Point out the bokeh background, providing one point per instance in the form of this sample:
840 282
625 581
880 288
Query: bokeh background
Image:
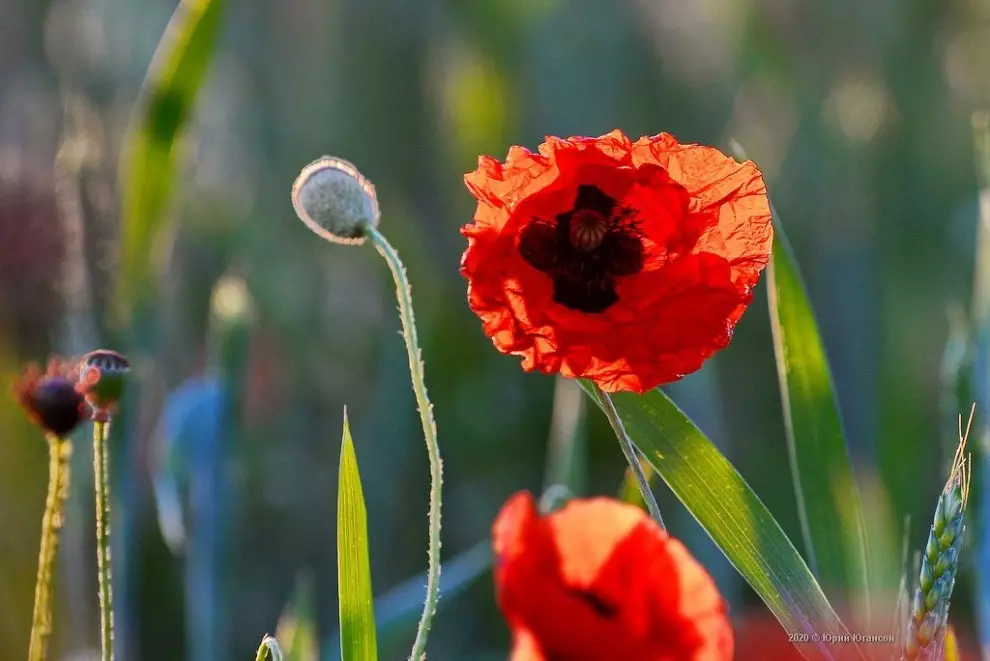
859 113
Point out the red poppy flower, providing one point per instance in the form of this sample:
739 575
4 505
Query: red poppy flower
627 263
597 581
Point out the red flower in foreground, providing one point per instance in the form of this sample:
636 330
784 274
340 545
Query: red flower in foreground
627 263
52 399
598 581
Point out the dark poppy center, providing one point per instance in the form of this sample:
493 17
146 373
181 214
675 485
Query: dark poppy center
585 249
598 604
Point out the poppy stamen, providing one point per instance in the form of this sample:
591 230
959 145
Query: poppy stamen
584 249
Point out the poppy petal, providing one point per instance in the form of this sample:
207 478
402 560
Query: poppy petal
599 580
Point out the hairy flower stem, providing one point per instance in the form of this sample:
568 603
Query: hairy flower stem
404 295
629 450
59 452
101 478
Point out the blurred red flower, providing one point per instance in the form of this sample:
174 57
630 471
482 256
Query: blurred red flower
625 263
597 581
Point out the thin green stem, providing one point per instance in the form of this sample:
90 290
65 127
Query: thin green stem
404 296
101 478
59 452
631 454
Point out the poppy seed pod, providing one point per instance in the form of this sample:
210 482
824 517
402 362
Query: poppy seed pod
335 200
51 398
101 377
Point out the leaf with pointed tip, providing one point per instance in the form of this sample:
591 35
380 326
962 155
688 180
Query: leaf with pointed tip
358 640
149 154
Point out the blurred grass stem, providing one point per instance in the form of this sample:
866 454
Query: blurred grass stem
629 450
404 296
269 644
101 479
59 453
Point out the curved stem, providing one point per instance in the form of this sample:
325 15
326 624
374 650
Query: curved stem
101 478
269 646
59 452
632 456
404 295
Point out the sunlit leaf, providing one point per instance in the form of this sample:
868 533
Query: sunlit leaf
358 640
148 158
827 496
730 512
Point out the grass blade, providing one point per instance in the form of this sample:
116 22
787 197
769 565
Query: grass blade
397 611
357 615
828 500
730 512
149 155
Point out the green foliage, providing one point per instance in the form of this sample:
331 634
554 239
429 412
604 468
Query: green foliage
729 511
148 161
827 496
357 615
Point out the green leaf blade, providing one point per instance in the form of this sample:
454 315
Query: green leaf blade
827 497
149 156
730 512
358 640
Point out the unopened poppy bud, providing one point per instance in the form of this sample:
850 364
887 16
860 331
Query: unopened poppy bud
335 200
51 399
101 376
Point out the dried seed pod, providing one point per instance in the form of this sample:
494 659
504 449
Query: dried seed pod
102 375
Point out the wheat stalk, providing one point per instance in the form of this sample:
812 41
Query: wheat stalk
929 613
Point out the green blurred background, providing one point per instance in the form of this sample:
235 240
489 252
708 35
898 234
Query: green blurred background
857 112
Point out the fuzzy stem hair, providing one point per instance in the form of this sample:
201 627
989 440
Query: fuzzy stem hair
404 295
59 453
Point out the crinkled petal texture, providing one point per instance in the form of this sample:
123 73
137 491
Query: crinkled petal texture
599 581
691 232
